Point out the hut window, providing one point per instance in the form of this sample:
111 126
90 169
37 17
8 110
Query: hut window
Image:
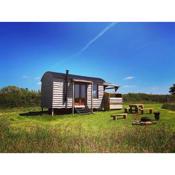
95 90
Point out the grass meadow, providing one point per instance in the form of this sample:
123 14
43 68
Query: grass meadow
24 130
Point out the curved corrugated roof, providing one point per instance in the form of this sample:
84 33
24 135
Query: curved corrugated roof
72 76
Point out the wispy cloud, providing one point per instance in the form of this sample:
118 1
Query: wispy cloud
31 79
93 40
25 77
129 78
39 83
129 86
37 78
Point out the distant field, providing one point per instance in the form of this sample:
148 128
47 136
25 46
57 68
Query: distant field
23 132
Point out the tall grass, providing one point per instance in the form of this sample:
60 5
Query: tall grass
75 139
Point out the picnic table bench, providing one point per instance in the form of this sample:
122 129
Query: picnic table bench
127 110
150 110
119 116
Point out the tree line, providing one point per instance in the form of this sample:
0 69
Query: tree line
158 98
12 96
148 98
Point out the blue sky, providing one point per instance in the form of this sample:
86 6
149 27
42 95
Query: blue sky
140 57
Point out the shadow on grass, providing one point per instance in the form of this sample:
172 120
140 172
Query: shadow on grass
44 114
36 113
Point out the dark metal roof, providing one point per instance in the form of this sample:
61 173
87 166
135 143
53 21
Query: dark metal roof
71 76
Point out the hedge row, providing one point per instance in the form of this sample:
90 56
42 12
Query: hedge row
141 97
170 106
12 96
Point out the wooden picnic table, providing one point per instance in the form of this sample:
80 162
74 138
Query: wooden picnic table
135 107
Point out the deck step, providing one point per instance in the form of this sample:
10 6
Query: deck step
83 110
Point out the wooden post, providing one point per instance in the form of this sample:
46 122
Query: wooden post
66 89
52 112
73 98
92 97
42 110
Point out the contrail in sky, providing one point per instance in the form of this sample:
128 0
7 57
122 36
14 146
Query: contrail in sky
92 41
96 38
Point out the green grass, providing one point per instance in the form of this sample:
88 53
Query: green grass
84 133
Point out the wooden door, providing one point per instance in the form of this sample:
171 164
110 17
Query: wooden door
80 94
